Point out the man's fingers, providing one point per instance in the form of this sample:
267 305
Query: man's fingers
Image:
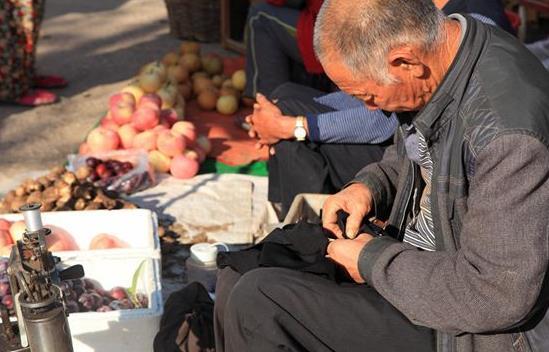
333 228
272 151
353 224
249 119
252 133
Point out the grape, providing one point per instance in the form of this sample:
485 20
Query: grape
87 301
92 162
72 307
104 308
88 284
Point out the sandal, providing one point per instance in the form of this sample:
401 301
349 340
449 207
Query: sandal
49 82
36 98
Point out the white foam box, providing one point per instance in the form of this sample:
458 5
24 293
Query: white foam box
125 330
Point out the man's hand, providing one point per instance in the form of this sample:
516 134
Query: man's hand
356 200
268 124
346 253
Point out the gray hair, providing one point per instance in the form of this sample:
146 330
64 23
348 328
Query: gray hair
363 32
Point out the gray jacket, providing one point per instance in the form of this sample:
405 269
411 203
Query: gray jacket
487 126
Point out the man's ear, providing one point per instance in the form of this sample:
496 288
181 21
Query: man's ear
406 60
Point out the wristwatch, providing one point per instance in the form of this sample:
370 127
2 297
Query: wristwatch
300 133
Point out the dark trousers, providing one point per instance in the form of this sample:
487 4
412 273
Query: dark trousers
275 309
272 54
306 167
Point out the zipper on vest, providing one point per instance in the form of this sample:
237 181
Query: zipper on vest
413 189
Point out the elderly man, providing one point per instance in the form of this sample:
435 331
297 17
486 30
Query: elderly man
341 135
465 191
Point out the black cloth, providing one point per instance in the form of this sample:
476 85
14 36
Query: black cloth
300 246
306 167
187 322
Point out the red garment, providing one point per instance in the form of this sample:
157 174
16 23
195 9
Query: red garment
305 31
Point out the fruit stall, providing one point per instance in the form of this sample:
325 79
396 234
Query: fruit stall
128 203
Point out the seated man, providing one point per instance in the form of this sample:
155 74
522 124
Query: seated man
465 187
342 136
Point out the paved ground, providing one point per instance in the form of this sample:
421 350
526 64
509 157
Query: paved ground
97 46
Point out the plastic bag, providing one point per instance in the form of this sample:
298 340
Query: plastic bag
140 177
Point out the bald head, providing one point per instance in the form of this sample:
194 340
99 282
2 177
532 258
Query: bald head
362 32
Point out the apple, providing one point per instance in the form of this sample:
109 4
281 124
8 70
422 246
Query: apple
106 241
84 149
239 80
151 100
134 90
178 73
212 64
170 59
5 224
127 133
186 90
108 123
170 144
17 229
227 105
183 167
145 140
157 68
145 118
207 100
169 117
122 97
102 139
191 62
5 238
159 161
189 47
60 240
196 154
187 130
150 82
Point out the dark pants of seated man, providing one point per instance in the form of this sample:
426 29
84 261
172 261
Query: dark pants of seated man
275 309
306 167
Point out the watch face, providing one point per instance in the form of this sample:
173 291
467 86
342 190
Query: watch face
300 133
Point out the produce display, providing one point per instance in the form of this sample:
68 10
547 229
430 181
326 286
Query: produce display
83 295
148 114
62 190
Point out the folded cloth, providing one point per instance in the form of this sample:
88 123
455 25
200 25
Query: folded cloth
187 322
300 246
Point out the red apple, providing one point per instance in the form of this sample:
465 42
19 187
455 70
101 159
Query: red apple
17 229
84 149
5 238
170 144
5 224
122 111
183 167
187 130
150 100
60 240
106 241
123 97
145 118
109 123
102 139
168 117
127 133
145 140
